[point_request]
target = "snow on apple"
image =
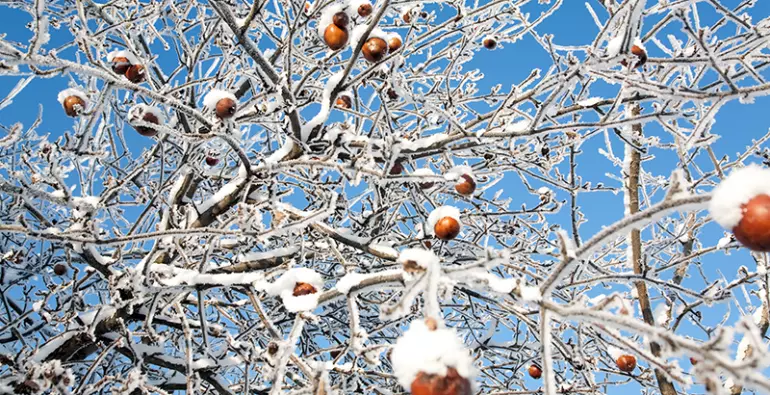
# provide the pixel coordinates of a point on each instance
(299, 289)
(422, 350)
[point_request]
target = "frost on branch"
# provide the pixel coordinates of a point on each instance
(259, 197)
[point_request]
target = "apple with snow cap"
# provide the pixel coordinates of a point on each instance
(445, 223)
(641, 56)
(432, 360)
(465, 185)
(374, 49)
(120, 61)
(142, 113)
(417, 260)
(298, 288)
(73, 100)
(637, 49)
(394, 43)
(741, 203)
(424, 172)
(74, 105)
(223, 103)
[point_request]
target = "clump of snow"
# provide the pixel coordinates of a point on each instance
(518, 127)
(614, 46)
(359, 31)
(214, 96)
(458, 171)
(614, 352)
(63, 95)
(442, 212)
(122, 54)
(736, 190)
(431, 352)
(590, 102)
(284, 287)
(349, 281)
(423, 258)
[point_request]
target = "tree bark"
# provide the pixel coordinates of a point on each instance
(632, 191)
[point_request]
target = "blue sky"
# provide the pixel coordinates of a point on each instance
(737, 124)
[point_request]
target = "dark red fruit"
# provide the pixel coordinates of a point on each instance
(374, 49)
(146, 130)
(466, 185)
(335, 37)
(303, 289)
(211, 161)
(753, 231)
(433, 384)
(365, 10)
(341, 19)
(226, 108)
(74, 105)
(535, 372)
(447, 228)
(135, 73)
(120, 65)
(59, 269)
(626, 363)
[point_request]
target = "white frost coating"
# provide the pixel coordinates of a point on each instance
(430, 352)
(518, 127)
(327, 17)
(423, 258)
(214, 96)
(614, 45)
(530, 293)
(282, 152)
(384, 249)
(122, 54)
(174, 277)
(591, 101)
(423, 171)
(226, 190)
(442, 212)
(614, 352)
(349, 281)
(458, 171)
(284, 287)
(52, 345)
(262, 255)
(323, 113)
(736, 190)
(63, 95)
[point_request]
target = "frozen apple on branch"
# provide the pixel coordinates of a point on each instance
(741, 203)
